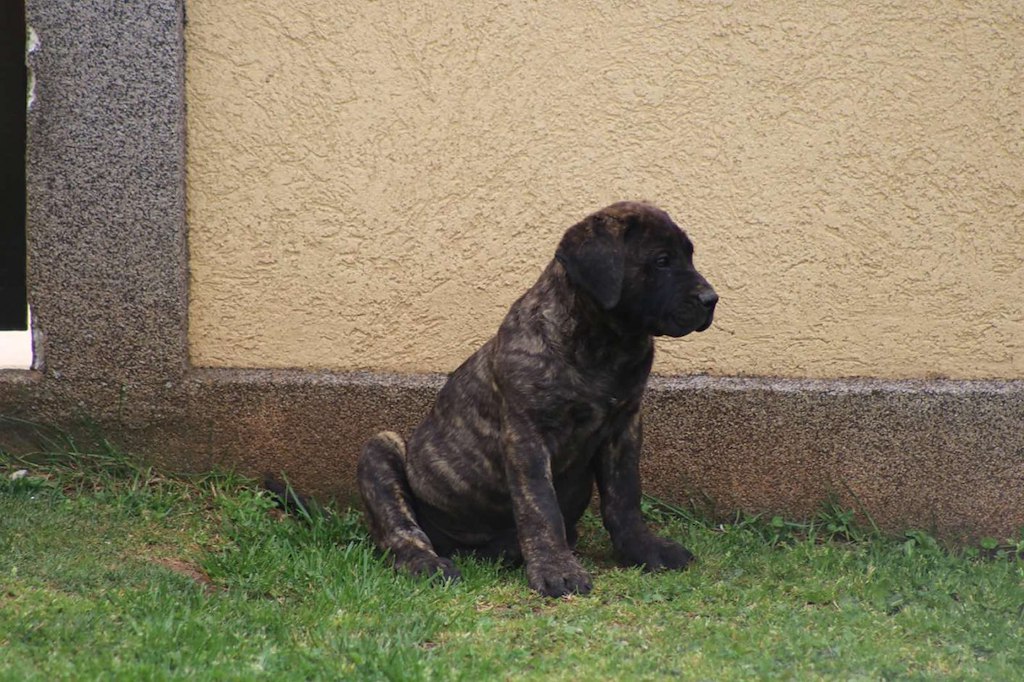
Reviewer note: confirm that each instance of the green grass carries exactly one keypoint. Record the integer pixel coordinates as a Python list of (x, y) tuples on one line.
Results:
[(110, 571)]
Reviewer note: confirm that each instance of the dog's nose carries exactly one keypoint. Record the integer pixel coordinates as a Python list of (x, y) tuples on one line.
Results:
[(708, 298)]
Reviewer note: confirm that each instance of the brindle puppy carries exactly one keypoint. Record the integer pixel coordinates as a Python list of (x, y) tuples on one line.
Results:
[(505, 463)]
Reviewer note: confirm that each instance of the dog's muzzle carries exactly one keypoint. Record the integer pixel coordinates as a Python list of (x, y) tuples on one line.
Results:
[(708, 300)]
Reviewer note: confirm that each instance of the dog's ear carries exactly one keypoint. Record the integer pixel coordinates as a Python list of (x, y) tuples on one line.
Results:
[(593, 255)]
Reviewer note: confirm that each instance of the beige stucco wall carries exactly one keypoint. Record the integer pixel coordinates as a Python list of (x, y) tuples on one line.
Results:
[(370, 185)]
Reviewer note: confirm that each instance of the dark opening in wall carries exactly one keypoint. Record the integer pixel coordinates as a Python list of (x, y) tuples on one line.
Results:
[(13, 77)]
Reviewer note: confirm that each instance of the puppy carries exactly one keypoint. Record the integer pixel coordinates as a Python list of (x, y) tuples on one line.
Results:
[(505, 463)]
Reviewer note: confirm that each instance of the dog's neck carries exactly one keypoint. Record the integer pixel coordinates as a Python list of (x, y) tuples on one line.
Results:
[(595, 335)]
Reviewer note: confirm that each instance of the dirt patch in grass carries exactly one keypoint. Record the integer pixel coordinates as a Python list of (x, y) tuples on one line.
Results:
[(188, 570)]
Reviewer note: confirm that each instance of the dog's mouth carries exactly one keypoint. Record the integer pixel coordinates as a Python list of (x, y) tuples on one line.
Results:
[(679, 328), (707, 322)]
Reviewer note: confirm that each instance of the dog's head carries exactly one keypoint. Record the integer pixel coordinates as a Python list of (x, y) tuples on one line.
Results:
[(636, 264)]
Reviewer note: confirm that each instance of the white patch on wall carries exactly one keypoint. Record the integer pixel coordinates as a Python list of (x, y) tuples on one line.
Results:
[(16, 346), (16, 349), (31, 45)]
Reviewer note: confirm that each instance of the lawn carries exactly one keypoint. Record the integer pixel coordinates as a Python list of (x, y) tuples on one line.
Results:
[(109, 570)]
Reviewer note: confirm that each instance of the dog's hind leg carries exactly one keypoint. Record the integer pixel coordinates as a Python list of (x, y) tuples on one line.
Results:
[(388, 500)]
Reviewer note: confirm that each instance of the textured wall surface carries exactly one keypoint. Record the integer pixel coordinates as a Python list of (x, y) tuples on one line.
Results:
[(370, 185)]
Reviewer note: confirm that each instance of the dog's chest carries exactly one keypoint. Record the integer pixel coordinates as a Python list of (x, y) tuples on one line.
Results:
[(577, 418)]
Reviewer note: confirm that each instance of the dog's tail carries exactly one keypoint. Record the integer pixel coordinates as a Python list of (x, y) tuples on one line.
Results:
[(288, 499)]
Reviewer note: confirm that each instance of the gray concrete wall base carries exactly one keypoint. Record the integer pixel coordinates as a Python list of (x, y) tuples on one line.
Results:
[(942, 456), (947, 457)]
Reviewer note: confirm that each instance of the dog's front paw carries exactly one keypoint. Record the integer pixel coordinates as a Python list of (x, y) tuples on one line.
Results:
[(423, 565), (658, 554), (558, 577)]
